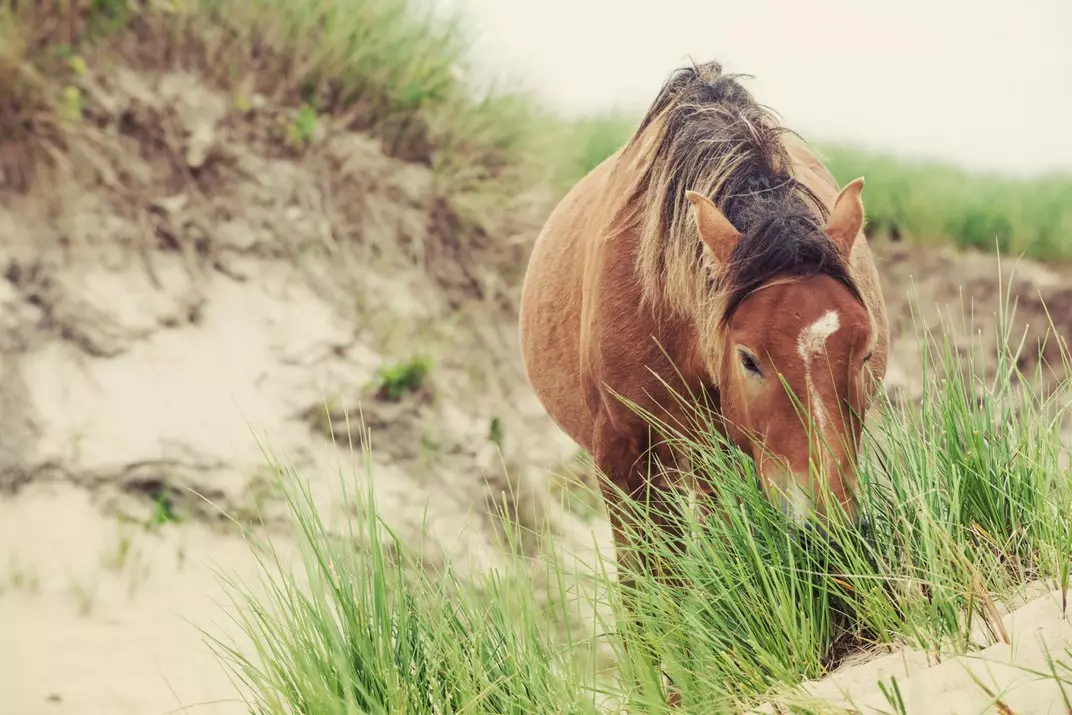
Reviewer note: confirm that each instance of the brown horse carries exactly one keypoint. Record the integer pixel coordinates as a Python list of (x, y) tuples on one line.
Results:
[(712, 255)]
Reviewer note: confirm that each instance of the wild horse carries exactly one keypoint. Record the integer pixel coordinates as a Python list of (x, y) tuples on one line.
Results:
[(713, 254)]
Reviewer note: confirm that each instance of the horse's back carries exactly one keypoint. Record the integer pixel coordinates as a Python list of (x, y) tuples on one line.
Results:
[(551, 300)]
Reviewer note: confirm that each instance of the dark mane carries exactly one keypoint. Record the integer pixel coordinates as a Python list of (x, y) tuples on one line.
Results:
[(705, 132)]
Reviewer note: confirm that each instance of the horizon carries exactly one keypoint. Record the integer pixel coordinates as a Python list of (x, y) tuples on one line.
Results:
[(585, 57)]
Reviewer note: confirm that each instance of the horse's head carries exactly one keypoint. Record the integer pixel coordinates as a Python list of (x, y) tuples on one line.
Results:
[(793, 375)]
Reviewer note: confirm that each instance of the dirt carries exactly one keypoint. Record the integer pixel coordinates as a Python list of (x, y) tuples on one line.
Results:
[(203, 298), (978, 303)]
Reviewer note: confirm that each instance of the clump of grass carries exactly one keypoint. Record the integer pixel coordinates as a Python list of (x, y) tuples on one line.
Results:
[(930, 201), (400, 379), (354, 630), (163, 510), (967, 496), (496, 434), (301, 130)]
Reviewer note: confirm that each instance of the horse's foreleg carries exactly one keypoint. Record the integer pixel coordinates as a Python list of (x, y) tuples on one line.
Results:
[(617, 455), (623, 458)]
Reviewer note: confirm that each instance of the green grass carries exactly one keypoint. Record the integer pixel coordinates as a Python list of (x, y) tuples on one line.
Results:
[(929, 202), (364, 629), (583, 143), (397, 380), (968, 499)]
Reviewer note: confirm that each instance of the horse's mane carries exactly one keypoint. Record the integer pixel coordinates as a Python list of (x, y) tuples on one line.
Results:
[(705, 132)]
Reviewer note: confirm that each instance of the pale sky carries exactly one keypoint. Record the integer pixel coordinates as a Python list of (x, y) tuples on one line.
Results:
[(975, 81)]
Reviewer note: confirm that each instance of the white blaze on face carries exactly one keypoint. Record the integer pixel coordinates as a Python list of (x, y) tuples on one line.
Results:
[(812, 344)]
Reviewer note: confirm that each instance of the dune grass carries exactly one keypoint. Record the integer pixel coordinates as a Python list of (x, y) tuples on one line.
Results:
[(397, 69), (967, 495), (930, 202)]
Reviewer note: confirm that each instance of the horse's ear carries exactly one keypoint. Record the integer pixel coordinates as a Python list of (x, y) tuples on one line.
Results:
[(717, 233), (847, 217)]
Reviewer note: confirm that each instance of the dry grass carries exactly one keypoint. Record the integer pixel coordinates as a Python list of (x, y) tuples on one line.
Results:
[(31, 120), (382, 66)]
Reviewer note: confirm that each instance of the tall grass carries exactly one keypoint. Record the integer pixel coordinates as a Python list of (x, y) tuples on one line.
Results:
[(363, 628), (930, 201), (967, 495), (964, 494)]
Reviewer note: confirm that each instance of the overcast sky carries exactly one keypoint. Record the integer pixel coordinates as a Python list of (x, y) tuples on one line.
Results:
[(975, 81)]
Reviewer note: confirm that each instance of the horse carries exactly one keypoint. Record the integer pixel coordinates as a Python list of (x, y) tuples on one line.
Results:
[(712, 255)]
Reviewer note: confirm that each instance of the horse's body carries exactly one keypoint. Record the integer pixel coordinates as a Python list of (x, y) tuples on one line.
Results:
[(626, 293)]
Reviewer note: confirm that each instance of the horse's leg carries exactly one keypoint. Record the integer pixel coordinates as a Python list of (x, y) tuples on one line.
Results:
[(624, 459), (665, 497)]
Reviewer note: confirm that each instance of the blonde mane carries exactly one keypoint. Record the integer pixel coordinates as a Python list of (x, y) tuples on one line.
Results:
[(704, 132)]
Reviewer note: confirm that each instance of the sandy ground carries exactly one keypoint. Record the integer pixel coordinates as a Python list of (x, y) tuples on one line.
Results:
[(1004, 678), (92, 625), (153, 341)]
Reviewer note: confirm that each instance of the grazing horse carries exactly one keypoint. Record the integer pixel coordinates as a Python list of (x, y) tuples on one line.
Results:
[(711, 255)]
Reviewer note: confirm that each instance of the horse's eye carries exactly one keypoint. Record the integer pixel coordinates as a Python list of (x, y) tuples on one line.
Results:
[(749, 363)]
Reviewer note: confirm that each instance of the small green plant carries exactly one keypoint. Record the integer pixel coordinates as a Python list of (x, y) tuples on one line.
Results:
[(301, 130), (163, 511), (396, 381), (495, 432)]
